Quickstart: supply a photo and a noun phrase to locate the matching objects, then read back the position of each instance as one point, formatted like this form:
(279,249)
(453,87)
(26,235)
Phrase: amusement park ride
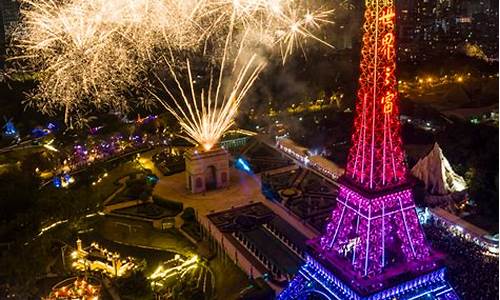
(374,246)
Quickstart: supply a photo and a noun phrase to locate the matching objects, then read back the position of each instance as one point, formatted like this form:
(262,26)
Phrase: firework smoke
(89,55)
(206,114)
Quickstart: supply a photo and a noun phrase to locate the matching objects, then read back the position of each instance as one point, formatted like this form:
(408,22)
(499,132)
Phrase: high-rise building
(2,37)
(374,246)
(430,28)
(406,29)
(9,15)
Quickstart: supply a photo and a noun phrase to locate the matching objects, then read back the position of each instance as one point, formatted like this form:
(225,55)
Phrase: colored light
(57,182)
(312,277)
(375,211)
(368,224)
(243,165)
(9,129)
(376,161)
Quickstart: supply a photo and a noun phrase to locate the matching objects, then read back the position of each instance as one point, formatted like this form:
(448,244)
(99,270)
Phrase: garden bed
(146,210)
(173,207)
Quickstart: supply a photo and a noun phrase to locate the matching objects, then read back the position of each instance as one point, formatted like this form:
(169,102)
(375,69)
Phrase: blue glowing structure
(52,127)
(9,129)
(39,132)
(316,282)
(63,180)
(242,164)
(57,182)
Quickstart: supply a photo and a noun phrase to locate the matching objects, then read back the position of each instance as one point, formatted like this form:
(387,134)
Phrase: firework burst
(87,55)
(267,23)
(91,55)
(66,48)
(205,114)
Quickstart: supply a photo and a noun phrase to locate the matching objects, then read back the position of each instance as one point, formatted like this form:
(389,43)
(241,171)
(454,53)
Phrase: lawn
(143,234)
(230,280)
(193,229)
(79,199)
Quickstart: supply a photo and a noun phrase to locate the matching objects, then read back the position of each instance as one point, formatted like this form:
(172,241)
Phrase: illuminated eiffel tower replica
(374,247)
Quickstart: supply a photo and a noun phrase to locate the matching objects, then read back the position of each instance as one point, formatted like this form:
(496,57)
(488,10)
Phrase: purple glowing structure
(374,247)
(373,230)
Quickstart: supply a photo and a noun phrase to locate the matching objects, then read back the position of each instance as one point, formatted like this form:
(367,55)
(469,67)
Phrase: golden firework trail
(206,114)
(286,23)
(89,55)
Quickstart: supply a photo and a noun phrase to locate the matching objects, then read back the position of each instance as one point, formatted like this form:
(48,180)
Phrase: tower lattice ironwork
(374,247)
(376,157)
(375,210)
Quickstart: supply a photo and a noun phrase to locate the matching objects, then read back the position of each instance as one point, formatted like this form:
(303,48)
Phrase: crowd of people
(473,274)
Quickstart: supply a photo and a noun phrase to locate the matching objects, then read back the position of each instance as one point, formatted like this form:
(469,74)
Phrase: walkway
(267,141)
(123,184)
(243,190)
(140,234)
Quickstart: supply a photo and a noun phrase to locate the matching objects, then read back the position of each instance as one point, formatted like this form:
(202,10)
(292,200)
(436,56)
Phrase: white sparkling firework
(89,55)
(206,114)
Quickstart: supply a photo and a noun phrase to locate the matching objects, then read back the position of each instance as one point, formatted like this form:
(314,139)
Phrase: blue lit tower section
(373,246)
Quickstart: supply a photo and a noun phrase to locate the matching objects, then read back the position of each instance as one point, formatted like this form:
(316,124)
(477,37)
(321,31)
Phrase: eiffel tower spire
(375,210)
(374,235)
(376,158)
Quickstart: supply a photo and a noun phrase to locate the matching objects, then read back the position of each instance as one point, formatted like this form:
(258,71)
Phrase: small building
(206,169)
(437,174)
(298,152)
(326,166)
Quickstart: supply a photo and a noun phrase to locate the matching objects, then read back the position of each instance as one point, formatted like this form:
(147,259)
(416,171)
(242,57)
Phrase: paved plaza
(243,190)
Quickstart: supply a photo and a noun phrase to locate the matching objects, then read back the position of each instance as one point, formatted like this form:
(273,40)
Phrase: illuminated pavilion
(374,246)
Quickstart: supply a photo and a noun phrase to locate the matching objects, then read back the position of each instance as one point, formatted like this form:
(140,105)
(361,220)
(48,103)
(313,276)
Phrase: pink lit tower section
(374,246)
(375,204)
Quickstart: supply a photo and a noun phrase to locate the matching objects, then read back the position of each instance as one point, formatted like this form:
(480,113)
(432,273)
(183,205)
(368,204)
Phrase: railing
(431,216)
(234,143)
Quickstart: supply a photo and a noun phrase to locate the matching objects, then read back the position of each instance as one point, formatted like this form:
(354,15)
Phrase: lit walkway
(243,189)
(268,142)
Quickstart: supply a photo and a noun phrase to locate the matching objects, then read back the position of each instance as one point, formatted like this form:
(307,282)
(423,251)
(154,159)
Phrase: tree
(39,160)
(188,214)
(136,286)
(475,148)
(18,192)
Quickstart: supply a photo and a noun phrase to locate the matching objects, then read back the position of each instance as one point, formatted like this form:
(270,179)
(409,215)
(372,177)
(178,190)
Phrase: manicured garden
(191,225)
